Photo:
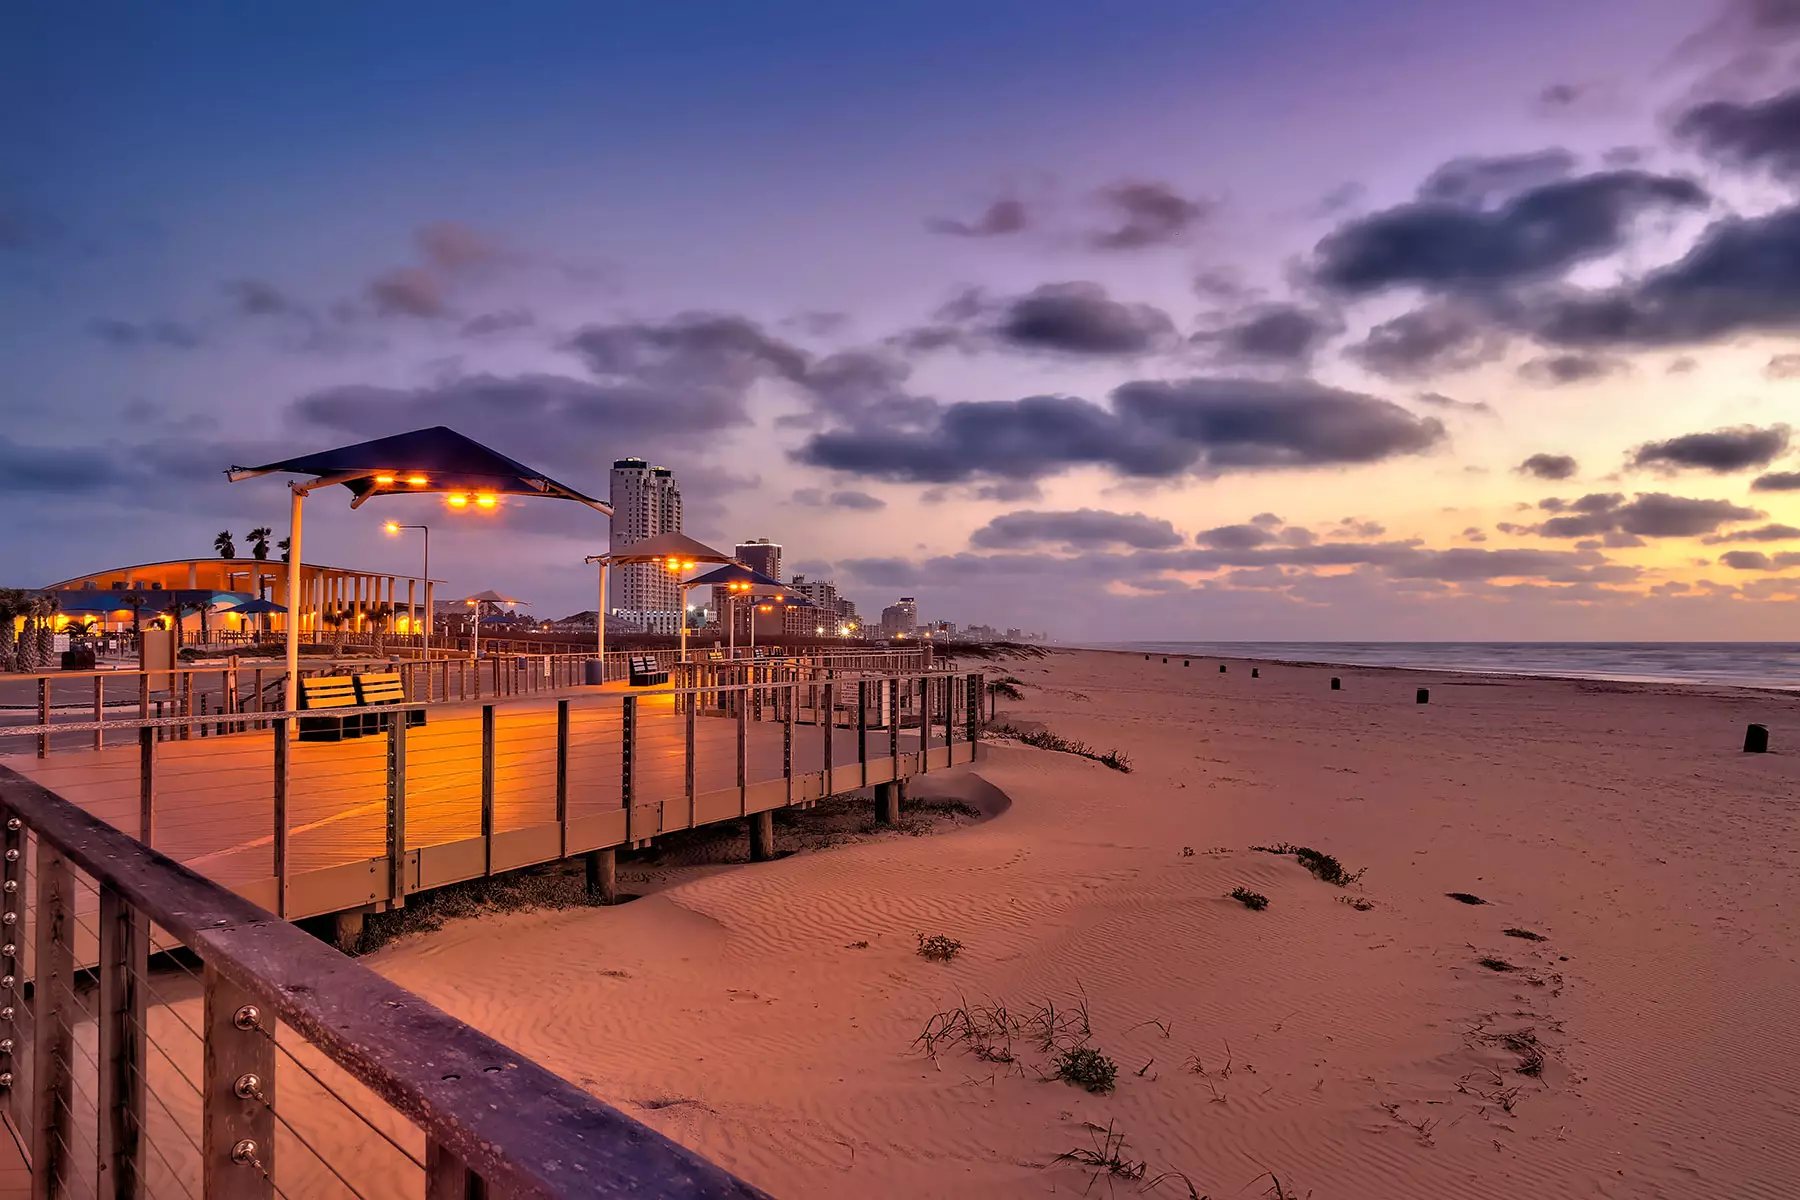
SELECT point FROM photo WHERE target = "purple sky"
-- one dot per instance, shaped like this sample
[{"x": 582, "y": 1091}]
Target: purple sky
[{"x": 1289, "y": 319}]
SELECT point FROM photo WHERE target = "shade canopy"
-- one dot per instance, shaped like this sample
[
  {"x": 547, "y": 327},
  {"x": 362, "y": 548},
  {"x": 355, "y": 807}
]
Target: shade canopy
[
  {"x": 490, "y": 597},
  {"x": 661, "y": 548},
  {"x": 256, "y": 608},
  {"x": 735, "y": 572},
  {"x": 438, "y": 459}
]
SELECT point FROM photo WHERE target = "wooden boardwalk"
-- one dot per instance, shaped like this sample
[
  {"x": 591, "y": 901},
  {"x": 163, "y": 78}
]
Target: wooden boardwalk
[{"x": 214, "y": 806}]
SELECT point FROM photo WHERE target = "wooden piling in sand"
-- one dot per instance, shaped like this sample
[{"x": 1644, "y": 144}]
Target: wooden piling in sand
[
  {"x": 346, "y": 930},
  {"x": 1337, "y": 685},
  {"x": 1756, "y": 739},
  {"x": 887, "y": 803},
  {"x": 1256, "y": 672},
  {"x": 602, "y": 876},
  {"x": 1221, "y": 668},
  {"x": 1424, "y": 696},
  {"x": 762, "y": 836}
]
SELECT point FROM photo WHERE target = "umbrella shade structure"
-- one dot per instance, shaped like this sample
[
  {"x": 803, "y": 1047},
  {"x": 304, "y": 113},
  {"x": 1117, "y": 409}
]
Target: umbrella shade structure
[
  {"x": 737, "y": 573},
  {"x": 488, "y": 597},
  {"x": 255, "y": 608},
  {"x": 438, "y": 459},
  {"x": 435, "y": 460},
  {"x": 751, "y": 584},
  {"x": 676, "y": 551}
]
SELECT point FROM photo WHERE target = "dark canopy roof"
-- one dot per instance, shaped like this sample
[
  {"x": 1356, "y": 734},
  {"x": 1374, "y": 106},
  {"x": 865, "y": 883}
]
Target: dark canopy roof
[
  {"x": 445, "y": 459},
  {"x": 736, "y": 573}
]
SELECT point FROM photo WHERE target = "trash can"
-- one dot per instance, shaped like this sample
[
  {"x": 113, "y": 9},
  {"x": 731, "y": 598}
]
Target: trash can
[{"x": 596, "y": 672}]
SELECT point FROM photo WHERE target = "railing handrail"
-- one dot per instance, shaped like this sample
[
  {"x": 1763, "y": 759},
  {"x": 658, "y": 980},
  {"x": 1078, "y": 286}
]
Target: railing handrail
[{"x": 525, "y": 1130}]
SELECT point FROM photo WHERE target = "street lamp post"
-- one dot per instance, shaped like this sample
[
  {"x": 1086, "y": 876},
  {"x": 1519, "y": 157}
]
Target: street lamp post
[{"x": 394, "y": 528}]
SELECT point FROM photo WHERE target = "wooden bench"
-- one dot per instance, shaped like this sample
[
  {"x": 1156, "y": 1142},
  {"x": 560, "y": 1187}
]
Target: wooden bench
[
  {"x": 384, "y": 688},
  {"x": 644, "y": 672},
  {"x": 715, "y": 656},
  {"x": 327, "y": 692}
]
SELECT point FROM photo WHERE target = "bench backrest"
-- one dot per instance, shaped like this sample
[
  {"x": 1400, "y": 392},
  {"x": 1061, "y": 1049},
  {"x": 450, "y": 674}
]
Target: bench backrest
[
  {"x": 715, "y": 656},
  {"x": 644, "y": 666},
  {"x": 384, "y": 688},
  {"x": 328, "y": 691}
]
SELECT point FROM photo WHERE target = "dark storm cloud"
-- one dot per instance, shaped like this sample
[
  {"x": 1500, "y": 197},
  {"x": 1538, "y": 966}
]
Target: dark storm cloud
[
  {"x": 1761, "y": 135},
  {"x": 860, "y": 388},
  {"x": 1747, "y": 560},
  {"x": 1742, "y": 276},
  {"x": 172, "y": 334},
  {"x": 1649, "y": 514},
  {"x": 998, "y": 219},
  {"x": 1538, "y": 235},
  {"x": 1147, "y": 213},
  {"x": 1080, "y": 319},
  {"x": 1762, "y": 533},
  {"x": 1080, "y": 529},
  {"x": 1721, "y": 451},
  {"x": 1276, "y": 334},
  {"x": 1154, "y": 429},
  {"x": 1557, "y": 370},
  {"x": 1441, "y": 337},
  {"x": 692, "y": 349},
  {"x": 54, "y": 470},
  {"x": 1236, "y": 537},
  {"x": 851, "y": 500},
  {"x": 1549, "y": 466},
  {"x": 1777, "y": 481},
  {"x": 1478, "y": 181}
]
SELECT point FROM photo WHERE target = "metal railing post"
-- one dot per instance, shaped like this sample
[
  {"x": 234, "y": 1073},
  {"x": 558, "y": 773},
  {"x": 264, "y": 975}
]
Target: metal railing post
[
  {"x": 977, "y": 686},
  {"x": 562, "y": 779},
  {"x": 99, "y": 710},
  {"x": 791, "y": 702},
  {"x": 237, "y": 1090},
  {"x": 891, "y": 696},
  {"x": 43, "y": 703},
  {"x": 829, "y": 726},
  {"x": 924, "y": 724},
  {"x": 12, "y": 937},
  {"x": 627, "y": 760},
  {"x": 280, "y": 862},
  {"x": 743, "y": 759},
  {"x": 53, "y": 1018},
  {"x": 690, "y": 751},
  {"x": 122, "y": 1045},
  {"x": 487, "y": 782},
  {"x": 862, "y": 728}
]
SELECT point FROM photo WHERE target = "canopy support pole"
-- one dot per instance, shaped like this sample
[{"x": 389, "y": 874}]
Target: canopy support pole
[{"x": 296, "y": 508}]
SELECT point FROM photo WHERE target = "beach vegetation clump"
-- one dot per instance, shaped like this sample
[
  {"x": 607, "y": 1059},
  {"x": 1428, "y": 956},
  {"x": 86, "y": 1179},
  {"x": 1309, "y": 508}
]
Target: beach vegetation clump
[
  {"x": 1006, "y": 689},
  {"x": 1322, "y": 865},
  {"x": 1106, "y": 1157},
  {"x": 1527, "y": 934},
  {"x": 1496, "y": 964},
  {"x": 1087, "y": 1068},
  {"x": 1359, "y": 903},
  {"x": 1254, "y": 901},
  {"x": 1043, "y": 739},
  {"x": 938, "y": 948},
  {"x": 1465, "y": 898}
]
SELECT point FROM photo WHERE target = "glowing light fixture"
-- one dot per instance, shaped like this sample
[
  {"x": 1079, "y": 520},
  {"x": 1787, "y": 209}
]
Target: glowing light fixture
[
  {"x": 384, "y": 479},
  {"x": 457, "y": 500},
  {"x": 417, "y": 480},
  {"x": 486, "y": 500},
  {"x": 392, "y": 527}
]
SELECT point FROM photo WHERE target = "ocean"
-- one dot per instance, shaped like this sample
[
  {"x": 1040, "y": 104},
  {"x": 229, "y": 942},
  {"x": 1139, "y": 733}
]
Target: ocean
[{"x": 1743, "y": 664}]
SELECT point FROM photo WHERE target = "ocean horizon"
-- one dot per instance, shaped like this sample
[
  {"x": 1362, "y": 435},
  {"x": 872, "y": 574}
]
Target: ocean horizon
[{"x": 1739, "y": 664}]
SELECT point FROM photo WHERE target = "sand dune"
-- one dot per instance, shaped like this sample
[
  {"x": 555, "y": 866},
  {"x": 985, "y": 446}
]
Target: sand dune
[{"x": 1353, "y": 1051}]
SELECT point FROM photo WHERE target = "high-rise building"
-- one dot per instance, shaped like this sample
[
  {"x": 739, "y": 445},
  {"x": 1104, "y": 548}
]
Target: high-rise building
[
  {"x": 901, "y": 619},
  {"x": 646, "y": 501},
  {"x": 761, "y": 555}
]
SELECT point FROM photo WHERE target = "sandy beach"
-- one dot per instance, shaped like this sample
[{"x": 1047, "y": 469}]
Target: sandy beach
[{"x": 1347, "y": 1042}]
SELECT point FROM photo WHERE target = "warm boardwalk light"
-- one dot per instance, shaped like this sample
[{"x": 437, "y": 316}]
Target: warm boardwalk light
[
  {"x": 384, "y": 479},
  {"x": 418, "y": 480},
  {"x": 485, "y": 500},
  {"x": 457, "y": 501},
  {"x": 392, "y": 527}
]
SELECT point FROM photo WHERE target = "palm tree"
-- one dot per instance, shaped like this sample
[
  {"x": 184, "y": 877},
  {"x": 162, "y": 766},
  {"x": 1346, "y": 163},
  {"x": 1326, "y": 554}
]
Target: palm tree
[
  {"x": 135, "y": 601},
  {"x": 45, "y": 607},
  {"x": 337, "y": 620},
  {"x": 14, "y": 603},
  {"x": 284, "y": 545},
  {"x": 177, "y": 610},
  {"x": 380, "y": 615},
  {"x": 259, "y": 542},
  {"x": 224, "y": 545}
]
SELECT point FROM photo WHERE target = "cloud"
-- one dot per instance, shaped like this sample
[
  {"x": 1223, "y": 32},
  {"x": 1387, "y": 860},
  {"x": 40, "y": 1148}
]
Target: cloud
[
  {"x": 259, "y": 298},
  {"x": 409, "y": 292},
  {"x": 1439, "y": 400},
  {"x": 1147, "y": 213},
  {"x": 1558, "y": 370},
  {"x": 1154, "y": 429},
  {"x": 502, "y": 321},
  {"x": 854, "y": 501},
  {"x": 1478, "y": 181},
  {"x": 1000, "y": 218},
  {"x": 1080, "y": 319},
  {"x": 1762, "y": 533},
  {"x": 1721, "y": 451},
  {"x": 701, "y": 349},
  {"x": 1747, "y": 560},
  {"x": 1782, "y": 366},
  {"x": 1742, "y": 276},
  {"x": 1439, "y": 338},
  {"x": 1538, "y": 235},
  {"x": 1549, "y": 466},
  {"x": 862, "y": 388},
  {"x": 1761, "y": 135},
  {"x": 1080, "y": 529},
  {"x": 1649, "y": 514},
  {"x": 1237, "y": 537},
  {"x": 454, "y": 248},
  {"x": 172, "y": 334},
  {"x": 1283, "y": 334},
  {"x": 1777, "y": 481}
]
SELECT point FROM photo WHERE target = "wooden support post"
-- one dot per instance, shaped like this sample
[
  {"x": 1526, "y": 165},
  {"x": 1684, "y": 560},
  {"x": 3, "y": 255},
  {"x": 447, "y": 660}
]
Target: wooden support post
[
  {"x": 487, "y": 781},
  {"x": 446, "y": 1176},
  {"x": 1336, "y": 684},
  {"x": 1423, "y": 696},
  {"x": 346, "y": 930},
  {"x": 122, "y": 1047},
  {"x": 1256, "y": 672},
  {"x": 762, "y": 836},
  {"x": 237, "y": 1090},
  {"x": 281, "y": 812},
  {"x": 1756, "y": 739},
  {"x": 1221, "y": 668},
  {"x": 602, "y": 876},
  {"x": 887, "y": 803},
  {"x": 628, "y": 760},
  {"x": 54, "y": 1014},
  {"x": 562, "y": 779},
  {"x": 396, "y": 810}
]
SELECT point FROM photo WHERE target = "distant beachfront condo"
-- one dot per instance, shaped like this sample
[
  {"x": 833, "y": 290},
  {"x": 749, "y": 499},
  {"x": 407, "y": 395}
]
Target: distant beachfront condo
[
  {"x": 760, "y": 554},
  {"x": 646, "y": 501},
  {"x": 901, "y": 619}
]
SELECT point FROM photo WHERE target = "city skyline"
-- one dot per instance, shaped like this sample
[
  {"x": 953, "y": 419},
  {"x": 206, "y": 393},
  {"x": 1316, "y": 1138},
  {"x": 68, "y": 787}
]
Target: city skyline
[{"x": 1189, "y": 322}]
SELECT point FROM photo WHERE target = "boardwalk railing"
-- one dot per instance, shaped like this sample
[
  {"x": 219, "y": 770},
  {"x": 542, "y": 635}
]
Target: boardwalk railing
[
  {"x": 220, "y": 698},
  {"x": 256, "y": 1061},
  {"x": 307, "y": 828}
]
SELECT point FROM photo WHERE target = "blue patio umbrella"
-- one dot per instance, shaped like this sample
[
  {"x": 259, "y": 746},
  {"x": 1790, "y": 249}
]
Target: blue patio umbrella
[{"x": 255, "y": 608}]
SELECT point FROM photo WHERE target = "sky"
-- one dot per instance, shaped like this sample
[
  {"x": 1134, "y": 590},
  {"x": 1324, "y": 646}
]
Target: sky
[{"x": 1210, "y": 319}]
